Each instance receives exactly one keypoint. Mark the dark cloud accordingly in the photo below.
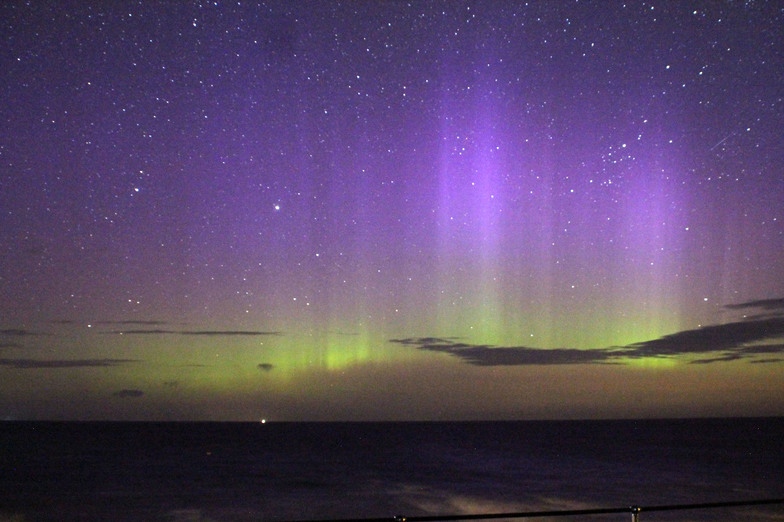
(240, 332)
(420, 341)
(134, 322)
(216, 333)
(758, 317)
(17, 332)
(24, 364)
(142, 332)
(763, 348)
(125, 394)
(765, 304)
(729, 342)
(265, 367)
(744, 352)
(716, 338)
(487, 355)
(722, 358)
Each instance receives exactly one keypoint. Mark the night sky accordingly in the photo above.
(391, 211)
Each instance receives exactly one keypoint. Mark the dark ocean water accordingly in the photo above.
(289, 471)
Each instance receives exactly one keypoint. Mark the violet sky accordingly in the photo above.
(391, 210)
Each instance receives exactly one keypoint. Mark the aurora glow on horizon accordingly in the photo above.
(391, 210)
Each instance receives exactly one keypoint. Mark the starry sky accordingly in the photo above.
(391, 211)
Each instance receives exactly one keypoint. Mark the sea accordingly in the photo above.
(183, 471)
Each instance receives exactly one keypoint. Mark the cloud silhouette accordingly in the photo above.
(25, 364)
(722, 358)
(265, 367)
(230, 332)
(17, 332)
(141, 332)
(744, 352)
(157, 331)
(765, 304)
(133, 322)
(719, 343)
(763, 348)
(125, 394)
(488, 355)
(729, 336)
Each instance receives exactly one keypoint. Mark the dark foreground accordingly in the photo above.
(289, 471)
